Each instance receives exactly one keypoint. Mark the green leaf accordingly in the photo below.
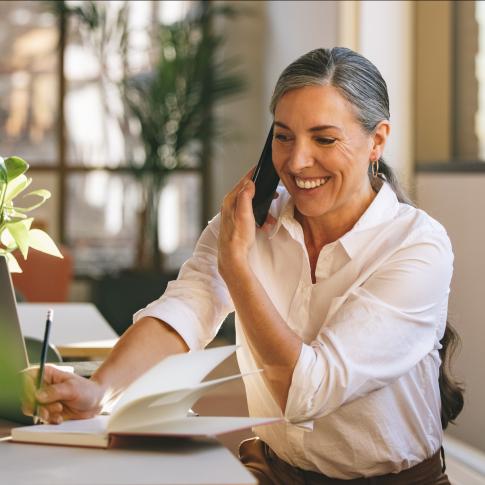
(41, 241)
(13, 265)
(7, 240)
(42, 193)
(3, 170)
(20, 233)
(15, 187)
(28, 223)
(15, 166)
(13, 215)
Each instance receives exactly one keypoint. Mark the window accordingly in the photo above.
(450, 83)
(62, 110)
(29, 82)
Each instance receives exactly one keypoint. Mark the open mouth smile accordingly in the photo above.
(307, 184)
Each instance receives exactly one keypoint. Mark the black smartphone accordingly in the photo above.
(266, 180)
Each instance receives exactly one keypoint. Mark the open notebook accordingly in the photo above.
(156, 404)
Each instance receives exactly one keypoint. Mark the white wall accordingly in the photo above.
(457, 201)
(242, 118)
(293, 29)
(386, 37)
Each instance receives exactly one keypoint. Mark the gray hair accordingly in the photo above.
(359, 82)
(357, 79)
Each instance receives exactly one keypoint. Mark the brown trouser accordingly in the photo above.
(265, 465)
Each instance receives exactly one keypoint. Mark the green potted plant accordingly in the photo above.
(16, 230)
(174, 108)
(172, 105)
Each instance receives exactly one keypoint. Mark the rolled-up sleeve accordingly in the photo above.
(380, 332)
(198, 301)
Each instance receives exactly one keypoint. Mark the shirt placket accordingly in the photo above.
(299, 314)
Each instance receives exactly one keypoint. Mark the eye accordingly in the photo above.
(281, 137)
(324, 140)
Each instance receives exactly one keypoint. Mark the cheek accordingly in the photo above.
(352, 163)
(278, 156)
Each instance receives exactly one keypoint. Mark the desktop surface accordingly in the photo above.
(130, 462)
(78, 331)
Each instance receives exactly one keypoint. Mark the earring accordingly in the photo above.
(375, 168)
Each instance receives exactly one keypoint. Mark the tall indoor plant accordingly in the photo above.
(172, 104)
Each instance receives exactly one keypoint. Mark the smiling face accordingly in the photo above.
(322, 154)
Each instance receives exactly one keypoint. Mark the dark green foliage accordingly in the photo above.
(174, 103)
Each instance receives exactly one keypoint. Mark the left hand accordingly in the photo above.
(238, 228)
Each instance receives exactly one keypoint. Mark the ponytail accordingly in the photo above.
(451, 391)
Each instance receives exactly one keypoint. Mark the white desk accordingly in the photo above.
(171, 462)
(79, 330)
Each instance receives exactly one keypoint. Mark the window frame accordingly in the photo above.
(61, 169)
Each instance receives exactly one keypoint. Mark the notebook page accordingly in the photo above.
(180, 371)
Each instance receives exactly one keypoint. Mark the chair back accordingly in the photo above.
(44, 278)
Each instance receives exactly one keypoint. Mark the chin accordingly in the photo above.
(310, 210)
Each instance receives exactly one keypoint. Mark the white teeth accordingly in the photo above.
(310, 184)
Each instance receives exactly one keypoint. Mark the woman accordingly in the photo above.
(341, 299)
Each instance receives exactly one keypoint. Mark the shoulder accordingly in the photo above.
(418, 239)
(419, 225)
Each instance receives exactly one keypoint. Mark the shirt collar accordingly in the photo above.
(283, 209)
(382, 209)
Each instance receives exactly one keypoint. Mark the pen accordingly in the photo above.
(43, 357)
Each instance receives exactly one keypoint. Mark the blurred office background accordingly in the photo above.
(62, 109)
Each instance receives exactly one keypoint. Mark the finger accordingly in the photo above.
(54, 408)
(63, 391)
(269, 224)
(55, 418)
(47, 416)
(241, 183)
(244, 199)
(43, 414)
(248, 175)
(229, 203)
(53, 375)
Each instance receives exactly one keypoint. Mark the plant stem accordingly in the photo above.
(1, 204)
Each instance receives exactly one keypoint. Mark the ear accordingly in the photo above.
(379, 138)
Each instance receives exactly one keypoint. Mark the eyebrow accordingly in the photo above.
(312, 129)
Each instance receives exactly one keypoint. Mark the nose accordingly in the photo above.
(300, 157)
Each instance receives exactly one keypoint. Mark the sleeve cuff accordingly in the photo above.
(300, 397)
(176, 315)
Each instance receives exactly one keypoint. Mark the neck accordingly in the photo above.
(329, 227)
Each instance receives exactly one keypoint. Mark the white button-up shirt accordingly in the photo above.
(364, 398)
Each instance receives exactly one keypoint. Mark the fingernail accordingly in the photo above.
(41, 395)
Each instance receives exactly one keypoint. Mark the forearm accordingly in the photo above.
(275, 346)
(143, 345)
